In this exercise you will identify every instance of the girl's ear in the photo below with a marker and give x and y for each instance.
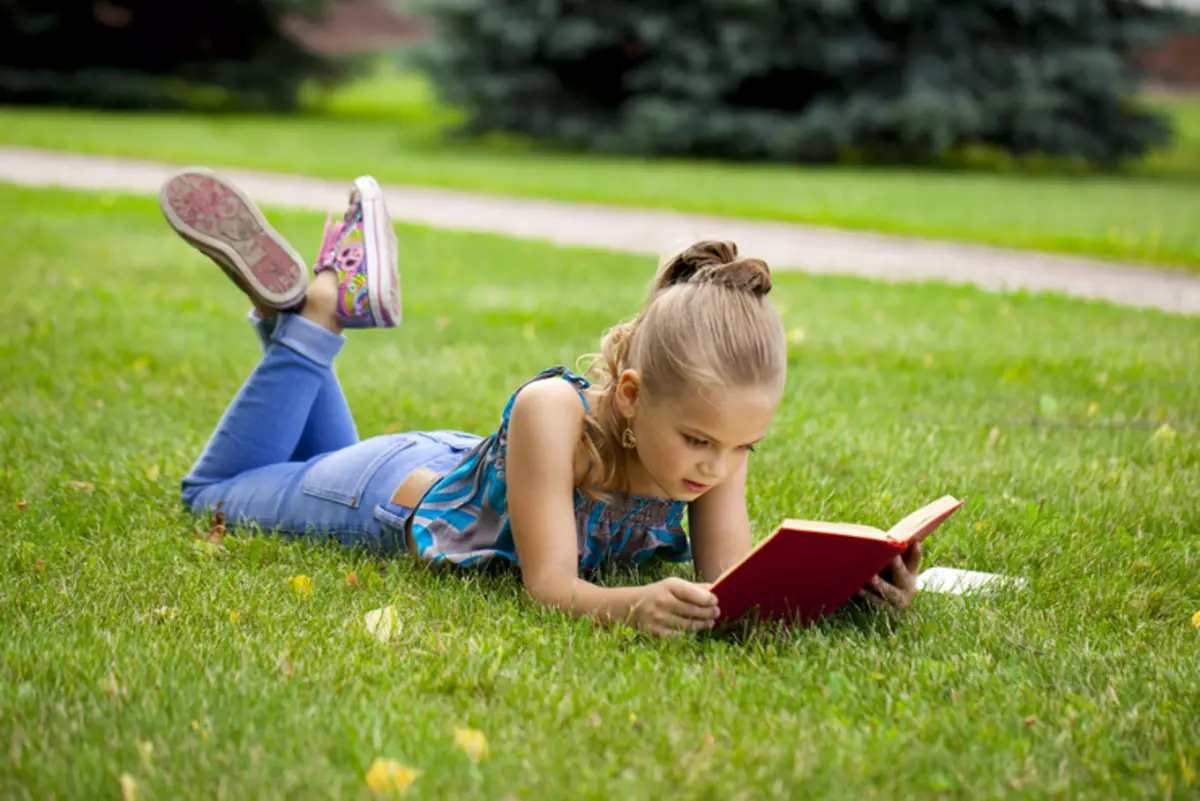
(627, 392)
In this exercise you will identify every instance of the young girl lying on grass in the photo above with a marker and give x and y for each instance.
(578, 472)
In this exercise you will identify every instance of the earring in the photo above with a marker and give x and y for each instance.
(628, 440)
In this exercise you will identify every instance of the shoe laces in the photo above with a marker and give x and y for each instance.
(336, 233)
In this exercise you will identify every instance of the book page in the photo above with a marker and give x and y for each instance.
(843, 529)
(919, 520)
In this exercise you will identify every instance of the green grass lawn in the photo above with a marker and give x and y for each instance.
(131, 647)
(388, 125)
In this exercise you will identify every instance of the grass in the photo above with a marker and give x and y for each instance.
(131, 647)
(390, 125)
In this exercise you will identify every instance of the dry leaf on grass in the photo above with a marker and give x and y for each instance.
(387, 776)
(112, 688)
(216, 533)
(473, 743)
(80, 486)
(1164, 433)
(301, 586)
(382, 623)
(129, 788)
(21, 505)
(1196, 620)
(351, 579)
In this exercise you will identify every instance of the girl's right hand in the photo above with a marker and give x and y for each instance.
(673, 605)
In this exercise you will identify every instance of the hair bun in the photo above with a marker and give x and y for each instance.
(717, 263)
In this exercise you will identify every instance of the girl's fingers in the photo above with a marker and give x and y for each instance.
(683, 609)
(902, 576)
(871, 598)
(912, 557)
(893, 595)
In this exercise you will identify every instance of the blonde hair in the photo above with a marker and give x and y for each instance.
(707, 323)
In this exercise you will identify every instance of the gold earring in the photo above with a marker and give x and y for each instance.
(628, 440)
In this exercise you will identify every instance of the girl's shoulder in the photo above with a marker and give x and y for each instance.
(551, 389)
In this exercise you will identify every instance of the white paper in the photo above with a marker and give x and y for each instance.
(953, 581)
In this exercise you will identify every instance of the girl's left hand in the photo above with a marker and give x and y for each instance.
(897, 591)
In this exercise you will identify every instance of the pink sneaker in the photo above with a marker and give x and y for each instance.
(218, 219)
(361, 249)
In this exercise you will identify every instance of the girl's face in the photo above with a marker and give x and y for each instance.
(689, 445)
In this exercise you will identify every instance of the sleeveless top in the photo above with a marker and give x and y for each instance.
(463, 517)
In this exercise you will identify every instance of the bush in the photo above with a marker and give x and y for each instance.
(155, 53)
(802, 80)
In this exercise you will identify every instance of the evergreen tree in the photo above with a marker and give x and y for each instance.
(802, 80)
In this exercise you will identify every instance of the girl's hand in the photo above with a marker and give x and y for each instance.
(897, 590)
(674, 605)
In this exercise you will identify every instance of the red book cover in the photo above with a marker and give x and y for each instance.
(806, 569)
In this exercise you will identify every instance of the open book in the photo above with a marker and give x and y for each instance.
(806, 569)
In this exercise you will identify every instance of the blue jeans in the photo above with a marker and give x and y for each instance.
(286, 456)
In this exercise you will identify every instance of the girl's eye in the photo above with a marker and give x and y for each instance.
(694, 442)
(750, 448)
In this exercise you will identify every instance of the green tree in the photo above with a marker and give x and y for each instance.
(154, 53)
(802, 80)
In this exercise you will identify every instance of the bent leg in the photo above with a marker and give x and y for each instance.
(331, 496)
(330, 425)
(264, 422)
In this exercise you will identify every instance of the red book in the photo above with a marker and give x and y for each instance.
(806, 569)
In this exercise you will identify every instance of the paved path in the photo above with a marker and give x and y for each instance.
(783, 245)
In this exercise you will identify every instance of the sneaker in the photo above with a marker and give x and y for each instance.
(219, 220)
(361, 249)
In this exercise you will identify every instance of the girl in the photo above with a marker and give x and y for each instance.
(577, 473)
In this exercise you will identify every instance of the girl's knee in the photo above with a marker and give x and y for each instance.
(190, 495)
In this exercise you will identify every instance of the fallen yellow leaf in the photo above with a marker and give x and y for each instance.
(1165, 433)
(128, 787)
(1196, 620)
(152, 473)
(382, 623)
(389, 776)
(472, 742)
(234, 617)
(301, 585)
(352, 579)
(40, 565)
(80, 486)
(21, 505)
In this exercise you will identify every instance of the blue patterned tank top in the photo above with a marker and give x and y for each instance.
(463, 517)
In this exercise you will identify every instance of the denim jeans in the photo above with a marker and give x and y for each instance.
(286, 456)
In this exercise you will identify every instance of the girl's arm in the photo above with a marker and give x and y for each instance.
(719, 527)
(545, 425)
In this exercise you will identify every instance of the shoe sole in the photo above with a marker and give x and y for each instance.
(217, 218)
(379, 239)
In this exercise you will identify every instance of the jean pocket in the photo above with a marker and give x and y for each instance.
(343, 475)
(456, 441)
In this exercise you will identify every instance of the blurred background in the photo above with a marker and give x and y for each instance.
(1092, 82)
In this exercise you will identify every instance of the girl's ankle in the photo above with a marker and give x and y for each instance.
(320, 303)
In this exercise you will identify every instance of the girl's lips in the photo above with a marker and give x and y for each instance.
(694, 487)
